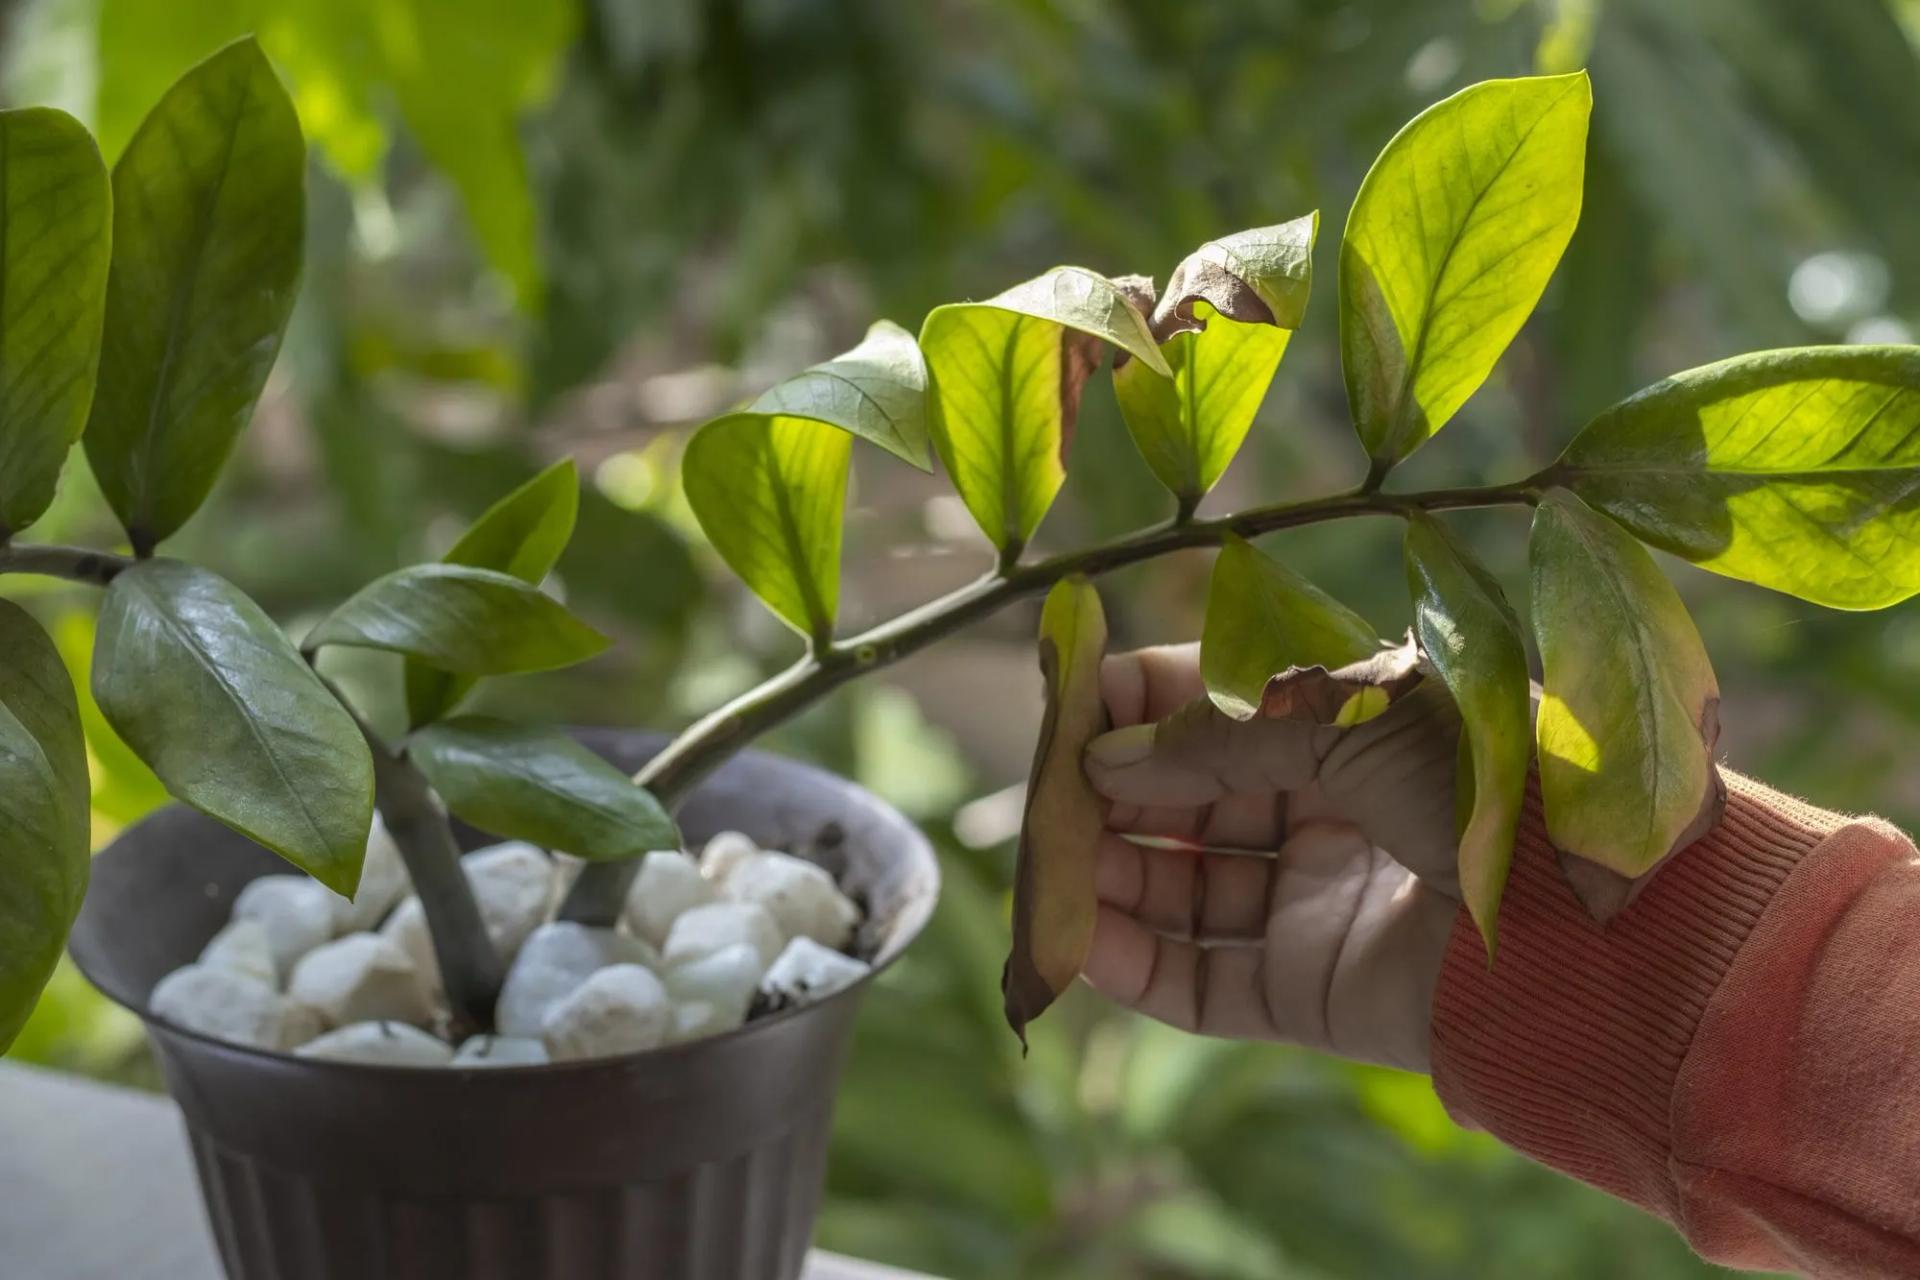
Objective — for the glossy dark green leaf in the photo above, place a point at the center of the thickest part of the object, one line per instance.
(45, 828)
(1262, 619)
(523, 534)
(1468, 632)
(770, 492)
(1449, 244)
(458, 618)
(213, 696)
(1630, 709)
(1054, 902)
(523, 782)
(55, 225)
(1798, 470)
(1005, 378)
(208, 214)
(877, 391)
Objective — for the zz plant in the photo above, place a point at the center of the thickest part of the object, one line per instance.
(1791, 469)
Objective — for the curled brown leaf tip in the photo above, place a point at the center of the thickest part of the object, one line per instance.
(1205, 277)
(1139, 291)
(1604, 892)
(1079, 357)
(1348, 696)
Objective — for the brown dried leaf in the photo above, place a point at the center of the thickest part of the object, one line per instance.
(1351, 695)
(1053, 895)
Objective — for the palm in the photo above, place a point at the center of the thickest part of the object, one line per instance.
(1262, 912)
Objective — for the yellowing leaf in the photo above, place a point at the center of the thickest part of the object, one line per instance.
(1005, 379)
(1798, 470)
(1450, 242)
(1630, 715)
(1259, 276)
(1469, 634)
(1263, 619)
(1054, 904)
(769, 492)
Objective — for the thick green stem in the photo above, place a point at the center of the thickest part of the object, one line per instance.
(77, 564)
(601, 890)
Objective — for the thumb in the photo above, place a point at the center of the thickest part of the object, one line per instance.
(1199, 753)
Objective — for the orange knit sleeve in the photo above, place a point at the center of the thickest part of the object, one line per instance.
(1738, 1051)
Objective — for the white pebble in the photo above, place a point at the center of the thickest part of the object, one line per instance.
(669, 883)
(705, 930)
(556, 959)
(800, 896)
(296, 912)
(697, 1020)
(622, 1009)
(807, 971)
(244, 948)
(725, 852)
(391, 1044)
(362, 977)
(511, 882)
(725, 979)
(407, 929)
(383, 882)
(226, 1005)
(501, 1051)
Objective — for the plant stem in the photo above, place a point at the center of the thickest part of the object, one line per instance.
(78, 564)
(600, 892)
(470, 967)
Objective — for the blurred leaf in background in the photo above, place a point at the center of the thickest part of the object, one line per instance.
(541, 228)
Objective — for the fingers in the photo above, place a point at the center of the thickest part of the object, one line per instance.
(1185, 894)
(1394, 777)
(1198, 754)
(1147, 684)
(1213, 990)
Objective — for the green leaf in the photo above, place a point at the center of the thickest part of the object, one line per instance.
(457, 618)
(1449, 244)
(1469, 634)
(212, 695)
(45, 828)
(521, 782)
(770, 492)
(1054, 902)
(55, 223)
(523, 534)
(1630, 712)
(1259, 276)
(1262, 619)
(208, 215)
(1006, 377)
(1190, 426)
(1798, 470)
(877, 391)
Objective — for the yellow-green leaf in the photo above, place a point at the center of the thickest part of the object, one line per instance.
(523, 534)
(1469, 634)
(44, 826)
(1262, 619)
(55, 242)
(1630, 710)
(770, 492)
(1054, 903)
(1798, 470)
(1449, 244)
(877, 391)
(1005, 378)
(1190, 426)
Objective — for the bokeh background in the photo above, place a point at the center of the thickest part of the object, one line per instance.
(547, 227)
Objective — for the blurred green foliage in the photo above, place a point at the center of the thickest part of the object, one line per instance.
(548, 227)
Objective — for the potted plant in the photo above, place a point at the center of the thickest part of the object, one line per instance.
(149, 308)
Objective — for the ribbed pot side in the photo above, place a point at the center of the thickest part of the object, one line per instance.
(699, 1162)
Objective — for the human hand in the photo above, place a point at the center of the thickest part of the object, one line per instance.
(1326, 924)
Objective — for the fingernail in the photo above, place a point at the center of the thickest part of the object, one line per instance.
(1121, 747)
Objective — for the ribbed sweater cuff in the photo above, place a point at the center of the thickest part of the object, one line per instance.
(1568, 1047)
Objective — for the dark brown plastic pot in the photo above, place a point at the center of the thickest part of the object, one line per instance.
(699, 1162)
